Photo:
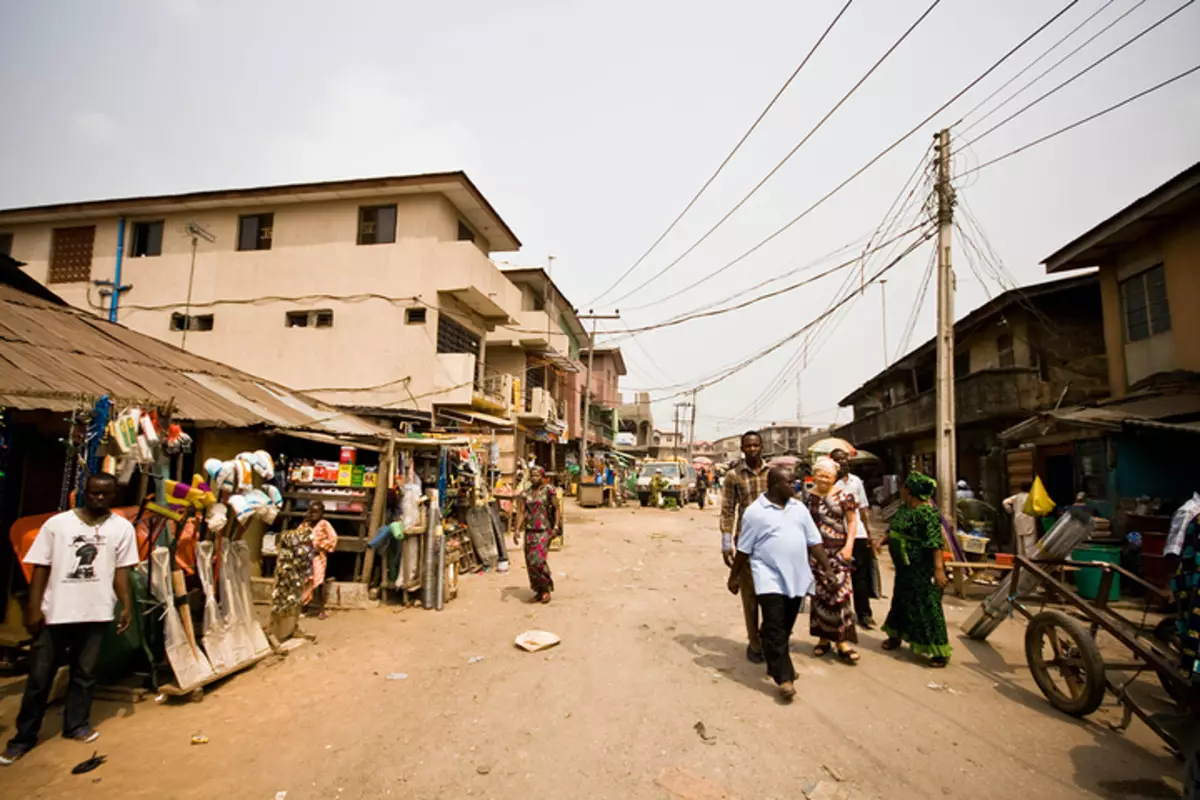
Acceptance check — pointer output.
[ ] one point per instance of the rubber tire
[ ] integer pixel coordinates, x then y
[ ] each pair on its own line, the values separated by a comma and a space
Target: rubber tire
1093, 662
644, 499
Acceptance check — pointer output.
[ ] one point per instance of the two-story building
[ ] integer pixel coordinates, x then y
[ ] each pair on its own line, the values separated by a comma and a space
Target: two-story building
1029, 349
637, 420
376, 294
608, 365
1140, 440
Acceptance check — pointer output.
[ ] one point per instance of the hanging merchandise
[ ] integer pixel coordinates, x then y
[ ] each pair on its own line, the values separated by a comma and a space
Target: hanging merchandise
191, 667
218, 640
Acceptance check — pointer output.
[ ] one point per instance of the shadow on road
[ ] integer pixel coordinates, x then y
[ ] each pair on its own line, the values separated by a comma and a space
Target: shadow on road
718, 654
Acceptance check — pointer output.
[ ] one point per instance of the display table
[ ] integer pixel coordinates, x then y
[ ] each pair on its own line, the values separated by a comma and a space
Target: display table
593, 495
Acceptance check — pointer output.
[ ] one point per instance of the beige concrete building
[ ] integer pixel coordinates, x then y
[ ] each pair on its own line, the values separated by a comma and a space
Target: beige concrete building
376, 294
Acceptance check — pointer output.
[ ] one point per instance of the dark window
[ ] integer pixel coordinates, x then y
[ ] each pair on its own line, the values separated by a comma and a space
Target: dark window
1004, 346
453, 337
146, 239
71, 254
193, 322
322, 318
6, 244
414, 316
539, 303
377, 225
465, 234
1144, 301
962, 364
254, 231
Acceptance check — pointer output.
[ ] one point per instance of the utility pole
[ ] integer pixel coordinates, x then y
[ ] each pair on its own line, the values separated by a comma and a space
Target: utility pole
692, 429
587, 384
946, 448
883, 317
675, 440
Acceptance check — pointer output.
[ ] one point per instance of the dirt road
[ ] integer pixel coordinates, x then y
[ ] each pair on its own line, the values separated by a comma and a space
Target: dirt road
652, 645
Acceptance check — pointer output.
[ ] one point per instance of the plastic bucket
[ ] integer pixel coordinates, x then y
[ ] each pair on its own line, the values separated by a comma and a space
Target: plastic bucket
1087, 579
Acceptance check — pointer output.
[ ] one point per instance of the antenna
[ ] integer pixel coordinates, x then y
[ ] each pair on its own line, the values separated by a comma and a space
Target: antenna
197, 231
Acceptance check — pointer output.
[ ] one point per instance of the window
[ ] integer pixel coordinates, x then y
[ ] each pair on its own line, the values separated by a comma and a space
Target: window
71, 254
6, 244
1144, 302
192, 322
1004, 346
962, 364
254, 231
453, 337
414, 316
377, 225
321, 318
465, 234
147, 239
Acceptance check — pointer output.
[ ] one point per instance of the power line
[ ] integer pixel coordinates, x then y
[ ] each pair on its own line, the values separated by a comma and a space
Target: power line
919, 126
1079, 74
911, 325
1080, 122
1051, 68
729, 157
784, 160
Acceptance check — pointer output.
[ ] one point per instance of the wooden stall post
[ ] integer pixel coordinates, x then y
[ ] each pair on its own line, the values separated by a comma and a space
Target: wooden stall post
378, 508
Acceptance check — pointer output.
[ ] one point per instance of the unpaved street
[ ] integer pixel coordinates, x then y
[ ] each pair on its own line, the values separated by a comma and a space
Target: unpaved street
651, 646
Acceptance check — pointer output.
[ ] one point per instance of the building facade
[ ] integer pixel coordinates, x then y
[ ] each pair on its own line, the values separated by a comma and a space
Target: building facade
608, 365
637, 423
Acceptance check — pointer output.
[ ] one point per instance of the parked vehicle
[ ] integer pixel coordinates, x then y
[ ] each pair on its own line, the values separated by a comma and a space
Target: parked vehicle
679, 475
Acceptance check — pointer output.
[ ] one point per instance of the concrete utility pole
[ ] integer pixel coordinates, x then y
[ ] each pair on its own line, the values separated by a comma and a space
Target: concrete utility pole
947, 469
692, 429
883, 312
587, 385
675, 440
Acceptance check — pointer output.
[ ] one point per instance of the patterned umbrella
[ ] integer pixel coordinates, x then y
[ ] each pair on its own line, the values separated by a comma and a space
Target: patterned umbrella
826, 446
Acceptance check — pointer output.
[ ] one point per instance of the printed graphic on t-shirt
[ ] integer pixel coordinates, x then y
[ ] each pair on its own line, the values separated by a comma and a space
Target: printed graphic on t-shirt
86, 550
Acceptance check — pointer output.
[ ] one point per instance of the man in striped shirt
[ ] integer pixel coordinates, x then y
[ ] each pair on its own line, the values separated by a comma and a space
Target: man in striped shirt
743, 484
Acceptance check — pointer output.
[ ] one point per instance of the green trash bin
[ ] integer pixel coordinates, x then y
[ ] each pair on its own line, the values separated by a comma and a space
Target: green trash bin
1087, 579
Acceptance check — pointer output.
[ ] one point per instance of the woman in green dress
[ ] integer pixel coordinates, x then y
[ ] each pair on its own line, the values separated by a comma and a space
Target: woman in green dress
916, 546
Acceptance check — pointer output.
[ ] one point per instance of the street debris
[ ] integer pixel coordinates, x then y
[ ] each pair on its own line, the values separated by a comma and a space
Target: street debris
534, 641
483, 769
474, 659
199, 739
281, 796
704, 737
833, 773
942, 687
89, 764
396, 676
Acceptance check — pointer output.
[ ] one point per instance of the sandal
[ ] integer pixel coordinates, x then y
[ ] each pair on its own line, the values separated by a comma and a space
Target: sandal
939, 662
821, 649
891, 644
848, 654
544, 598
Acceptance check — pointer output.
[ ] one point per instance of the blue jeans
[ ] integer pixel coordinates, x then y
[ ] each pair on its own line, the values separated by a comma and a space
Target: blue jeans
78, 644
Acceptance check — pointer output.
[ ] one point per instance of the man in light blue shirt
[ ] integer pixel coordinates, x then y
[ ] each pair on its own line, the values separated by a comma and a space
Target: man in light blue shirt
775, 541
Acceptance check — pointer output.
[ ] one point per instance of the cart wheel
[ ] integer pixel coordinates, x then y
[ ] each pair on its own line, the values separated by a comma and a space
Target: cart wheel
197, 696
1065, 663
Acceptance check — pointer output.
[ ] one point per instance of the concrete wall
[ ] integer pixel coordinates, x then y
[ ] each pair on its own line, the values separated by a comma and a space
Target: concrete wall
313, 251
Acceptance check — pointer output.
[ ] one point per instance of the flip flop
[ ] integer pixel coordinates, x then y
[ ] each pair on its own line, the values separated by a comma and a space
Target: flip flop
891, 644
849, 655
821, 649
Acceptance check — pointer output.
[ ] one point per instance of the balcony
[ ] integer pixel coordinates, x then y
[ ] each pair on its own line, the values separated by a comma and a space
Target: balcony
534, 331
1000, 394
540, 408
457, 383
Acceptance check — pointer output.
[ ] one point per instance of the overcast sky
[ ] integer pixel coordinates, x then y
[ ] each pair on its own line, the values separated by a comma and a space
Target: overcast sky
589, 126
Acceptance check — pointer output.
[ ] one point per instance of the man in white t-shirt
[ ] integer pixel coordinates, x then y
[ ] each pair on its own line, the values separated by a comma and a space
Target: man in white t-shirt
81, 560
863, 577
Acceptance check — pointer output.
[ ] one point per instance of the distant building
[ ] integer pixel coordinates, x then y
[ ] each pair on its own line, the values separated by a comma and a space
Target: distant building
637, 420
608, 365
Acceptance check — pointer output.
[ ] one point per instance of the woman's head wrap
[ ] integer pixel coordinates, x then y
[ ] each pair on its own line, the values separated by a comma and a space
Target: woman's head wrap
920, 485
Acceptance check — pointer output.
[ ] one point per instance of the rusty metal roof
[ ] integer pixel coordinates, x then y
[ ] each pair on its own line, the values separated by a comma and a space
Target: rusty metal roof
53, 356
1174, 411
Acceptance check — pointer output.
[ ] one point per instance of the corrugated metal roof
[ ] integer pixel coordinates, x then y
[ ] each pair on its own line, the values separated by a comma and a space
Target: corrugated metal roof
1165, 411
52, 356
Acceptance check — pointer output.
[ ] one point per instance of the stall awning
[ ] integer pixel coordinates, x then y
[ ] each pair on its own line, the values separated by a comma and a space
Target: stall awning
475, 418
1176, 411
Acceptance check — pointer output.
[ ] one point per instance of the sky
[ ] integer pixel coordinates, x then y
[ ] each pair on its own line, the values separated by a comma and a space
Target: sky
590, 126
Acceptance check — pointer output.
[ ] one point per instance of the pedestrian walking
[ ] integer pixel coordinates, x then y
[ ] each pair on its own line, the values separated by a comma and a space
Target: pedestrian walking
836, 514
916, 545
744, 482
863, 578
540, 521
1024, 525
776, 540
81, 560
701, 487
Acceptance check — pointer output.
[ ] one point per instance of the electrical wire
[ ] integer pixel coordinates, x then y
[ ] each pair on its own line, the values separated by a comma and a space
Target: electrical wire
1084, 121
910, 325
1052, 67
821, 122
1079, 74
853, 176
728, 158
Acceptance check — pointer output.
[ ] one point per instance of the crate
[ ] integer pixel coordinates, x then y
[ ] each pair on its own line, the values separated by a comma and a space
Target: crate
972, 544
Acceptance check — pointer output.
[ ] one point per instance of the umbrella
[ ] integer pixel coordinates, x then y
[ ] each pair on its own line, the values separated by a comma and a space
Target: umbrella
705, 460
863, 457
826, 446
784, 461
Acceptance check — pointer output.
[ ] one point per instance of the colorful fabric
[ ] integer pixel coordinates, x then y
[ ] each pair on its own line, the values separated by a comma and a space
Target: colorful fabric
742, 486
916, 614
324, 541
920, 485
1185, 585
541, 525
293, 570
832, 616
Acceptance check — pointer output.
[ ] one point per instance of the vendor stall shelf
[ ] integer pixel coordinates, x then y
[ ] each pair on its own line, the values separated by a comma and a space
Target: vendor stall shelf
334, 497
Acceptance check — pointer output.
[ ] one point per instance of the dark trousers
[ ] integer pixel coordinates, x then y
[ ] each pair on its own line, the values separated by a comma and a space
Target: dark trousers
863, 578
78, 644
778, 617
700, 493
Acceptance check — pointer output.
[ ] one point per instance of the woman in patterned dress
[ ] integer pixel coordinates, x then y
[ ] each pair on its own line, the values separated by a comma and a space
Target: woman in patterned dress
915, 542
539, 520
836, 514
